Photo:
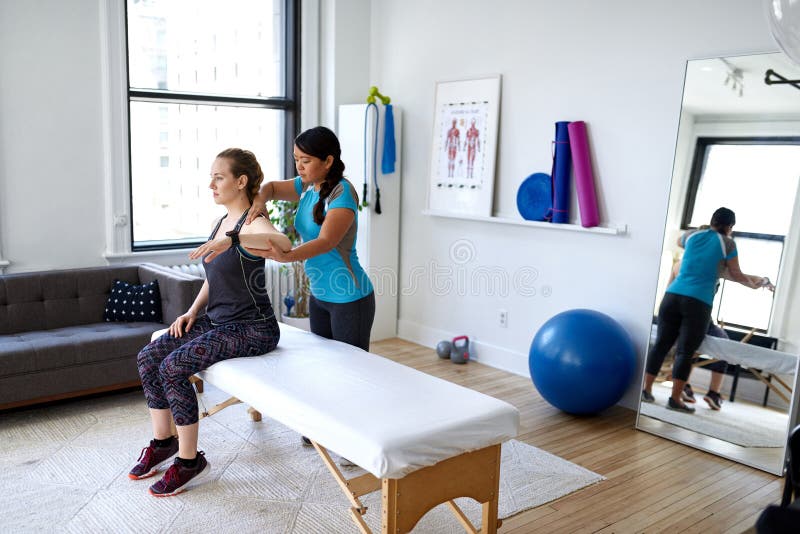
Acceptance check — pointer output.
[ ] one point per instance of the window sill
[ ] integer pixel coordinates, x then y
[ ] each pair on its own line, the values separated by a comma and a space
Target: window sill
162, 257
610, 230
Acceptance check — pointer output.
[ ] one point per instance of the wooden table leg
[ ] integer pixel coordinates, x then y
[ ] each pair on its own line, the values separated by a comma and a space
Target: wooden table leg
254, 414
198, 383
473, 474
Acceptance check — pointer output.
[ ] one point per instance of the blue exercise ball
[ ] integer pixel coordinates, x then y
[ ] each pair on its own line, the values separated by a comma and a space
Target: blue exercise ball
582, 361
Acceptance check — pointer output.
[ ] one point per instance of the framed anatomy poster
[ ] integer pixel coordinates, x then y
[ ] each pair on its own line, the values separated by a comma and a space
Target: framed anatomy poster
466, 114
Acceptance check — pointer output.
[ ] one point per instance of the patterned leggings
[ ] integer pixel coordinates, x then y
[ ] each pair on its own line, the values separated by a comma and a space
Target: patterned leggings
166, 364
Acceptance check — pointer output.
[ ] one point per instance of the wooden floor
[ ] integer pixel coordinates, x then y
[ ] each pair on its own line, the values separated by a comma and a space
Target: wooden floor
654, 485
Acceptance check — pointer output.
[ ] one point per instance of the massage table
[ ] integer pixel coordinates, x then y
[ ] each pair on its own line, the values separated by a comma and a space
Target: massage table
759, 361
423, 441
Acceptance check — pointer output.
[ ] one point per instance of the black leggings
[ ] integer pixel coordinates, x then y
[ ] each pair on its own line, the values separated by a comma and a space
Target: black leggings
349, 322
684, 319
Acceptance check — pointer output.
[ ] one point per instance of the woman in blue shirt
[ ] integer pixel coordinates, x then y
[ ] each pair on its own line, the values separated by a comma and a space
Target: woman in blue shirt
342, 305
685, 310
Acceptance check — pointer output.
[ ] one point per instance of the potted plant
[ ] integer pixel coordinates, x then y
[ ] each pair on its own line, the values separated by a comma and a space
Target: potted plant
295, 292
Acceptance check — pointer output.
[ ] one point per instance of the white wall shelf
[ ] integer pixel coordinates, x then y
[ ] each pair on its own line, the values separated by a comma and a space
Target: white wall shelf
610, 230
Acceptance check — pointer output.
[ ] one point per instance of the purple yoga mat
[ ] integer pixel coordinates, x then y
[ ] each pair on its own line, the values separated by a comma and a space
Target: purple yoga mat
584, 179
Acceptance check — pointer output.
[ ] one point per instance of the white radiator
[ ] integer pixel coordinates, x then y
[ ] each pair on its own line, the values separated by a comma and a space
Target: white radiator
191, 268
277, 281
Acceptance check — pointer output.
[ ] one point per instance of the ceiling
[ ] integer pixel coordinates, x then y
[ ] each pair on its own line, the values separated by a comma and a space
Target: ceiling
705, 91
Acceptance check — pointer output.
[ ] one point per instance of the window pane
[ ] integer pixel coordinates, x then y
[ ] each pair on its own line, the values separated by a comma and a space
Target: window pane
206, 46
744, 306
169, 181
758, 182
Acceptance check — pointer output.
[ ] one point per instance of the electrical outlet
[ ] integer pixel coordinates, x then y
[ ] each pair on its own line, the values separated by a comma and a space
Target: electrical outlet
502, 317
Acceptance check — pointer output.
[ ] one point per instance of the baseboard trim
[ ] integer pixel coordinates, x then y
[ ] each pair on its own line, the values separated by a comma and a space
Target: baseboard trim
485, 353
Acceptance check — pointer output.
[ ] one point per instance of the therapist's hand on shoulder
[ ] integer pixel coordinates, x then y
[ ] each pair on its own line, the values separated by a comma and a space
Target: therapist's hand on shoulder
258, 209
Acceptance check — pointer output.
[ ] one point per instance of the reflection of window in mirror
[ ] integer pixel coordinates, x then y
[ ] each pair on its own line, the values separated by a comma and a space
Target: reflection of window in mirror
758, 179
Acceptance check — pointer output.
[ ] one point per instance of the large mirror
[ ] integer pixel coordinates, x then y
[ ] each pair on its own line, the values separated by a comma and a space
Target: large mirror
738, 147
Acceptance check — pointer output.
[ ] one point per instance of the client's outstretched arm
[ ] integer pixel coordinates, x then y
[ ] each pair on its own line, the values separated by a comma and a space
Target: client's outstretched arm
266, 241
260, 235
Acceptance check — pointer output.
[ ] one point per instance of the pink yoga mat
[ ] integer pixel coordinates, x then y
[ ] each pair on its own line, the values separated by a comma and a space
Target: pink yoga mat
584, 179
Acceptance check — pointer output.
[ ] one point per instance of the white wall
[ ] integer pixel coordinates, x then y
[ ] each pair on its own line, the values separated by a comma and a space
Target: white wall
51, 182
617, 65
344, 56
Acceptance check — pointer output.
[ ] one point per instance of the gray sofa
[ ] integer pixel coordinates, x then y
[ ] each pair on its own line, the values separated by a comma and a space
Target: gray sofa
54, 343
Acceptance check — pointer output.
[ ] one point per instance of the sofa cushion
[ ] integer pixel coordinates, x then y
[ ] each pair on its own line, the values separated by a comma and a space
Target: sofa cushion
56, 299
133, 303
29, 352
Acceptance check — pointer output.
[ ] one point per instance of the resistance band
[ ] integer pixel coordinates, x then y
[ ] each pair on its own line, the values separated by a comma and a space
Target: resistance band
372, 105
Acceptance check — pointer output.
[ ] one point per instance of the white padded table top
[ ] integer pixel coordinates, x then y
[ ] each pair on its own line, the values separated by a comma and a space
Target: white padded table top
744, 354
386, 417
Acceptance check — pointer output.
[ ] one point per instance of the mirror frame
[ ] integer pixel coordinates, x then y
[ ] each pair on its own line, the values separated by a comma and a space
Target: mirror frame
700, 444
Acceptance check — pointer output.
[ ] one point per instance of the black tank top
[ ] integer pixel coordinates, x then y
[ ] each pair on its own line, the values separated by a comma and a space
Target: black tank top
237, 285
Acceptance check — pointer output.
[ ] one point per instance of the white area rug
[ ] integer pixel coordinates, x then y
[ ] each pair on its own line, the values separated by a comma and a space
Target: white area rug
737, 422
64, 469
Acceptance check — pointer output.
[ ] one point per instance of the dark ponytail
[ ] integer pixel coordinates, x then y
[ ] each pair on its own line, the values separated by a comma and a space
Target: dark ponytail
321, 142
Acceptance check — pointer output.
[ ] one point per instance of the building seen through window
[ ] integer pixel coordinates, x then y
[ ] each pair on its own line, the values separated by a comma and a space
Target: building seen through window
203, 76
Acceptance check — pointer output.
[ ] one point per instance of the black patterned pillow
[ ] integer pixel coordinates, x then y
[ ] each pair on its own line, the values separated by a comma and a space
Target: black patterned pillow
129, 302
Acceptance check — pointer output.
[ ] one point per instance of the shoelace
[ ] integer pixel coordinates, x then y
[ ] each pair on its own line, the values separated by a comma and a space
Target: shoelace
171, 474
146, 452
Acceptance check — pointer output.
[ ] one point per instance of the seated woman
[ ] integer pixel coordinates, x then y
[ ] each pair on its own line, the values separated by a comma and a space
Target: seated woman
238, 321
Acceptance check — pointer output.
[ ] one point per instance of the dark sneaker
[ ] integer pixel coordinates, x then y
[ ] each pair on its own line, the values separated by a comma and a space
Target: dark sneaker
151, 459
177, 477
672, 404
687, 395
713, 399
647, 397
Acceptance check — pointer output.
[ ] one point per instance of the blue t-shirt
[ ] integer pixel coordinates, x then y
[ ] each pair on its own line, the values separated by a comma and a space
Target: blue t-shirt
335, 276
707, 252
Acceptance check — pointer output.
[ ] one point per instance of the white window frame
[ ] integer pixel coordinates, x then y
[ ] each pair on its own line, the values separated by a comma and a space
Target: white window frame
116, 157
791, 246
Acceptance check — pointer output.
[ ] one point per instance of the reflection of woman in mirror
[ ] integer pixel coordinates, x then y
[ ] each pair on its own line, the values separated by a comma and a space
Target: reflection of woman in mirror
685, 311
713, 396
